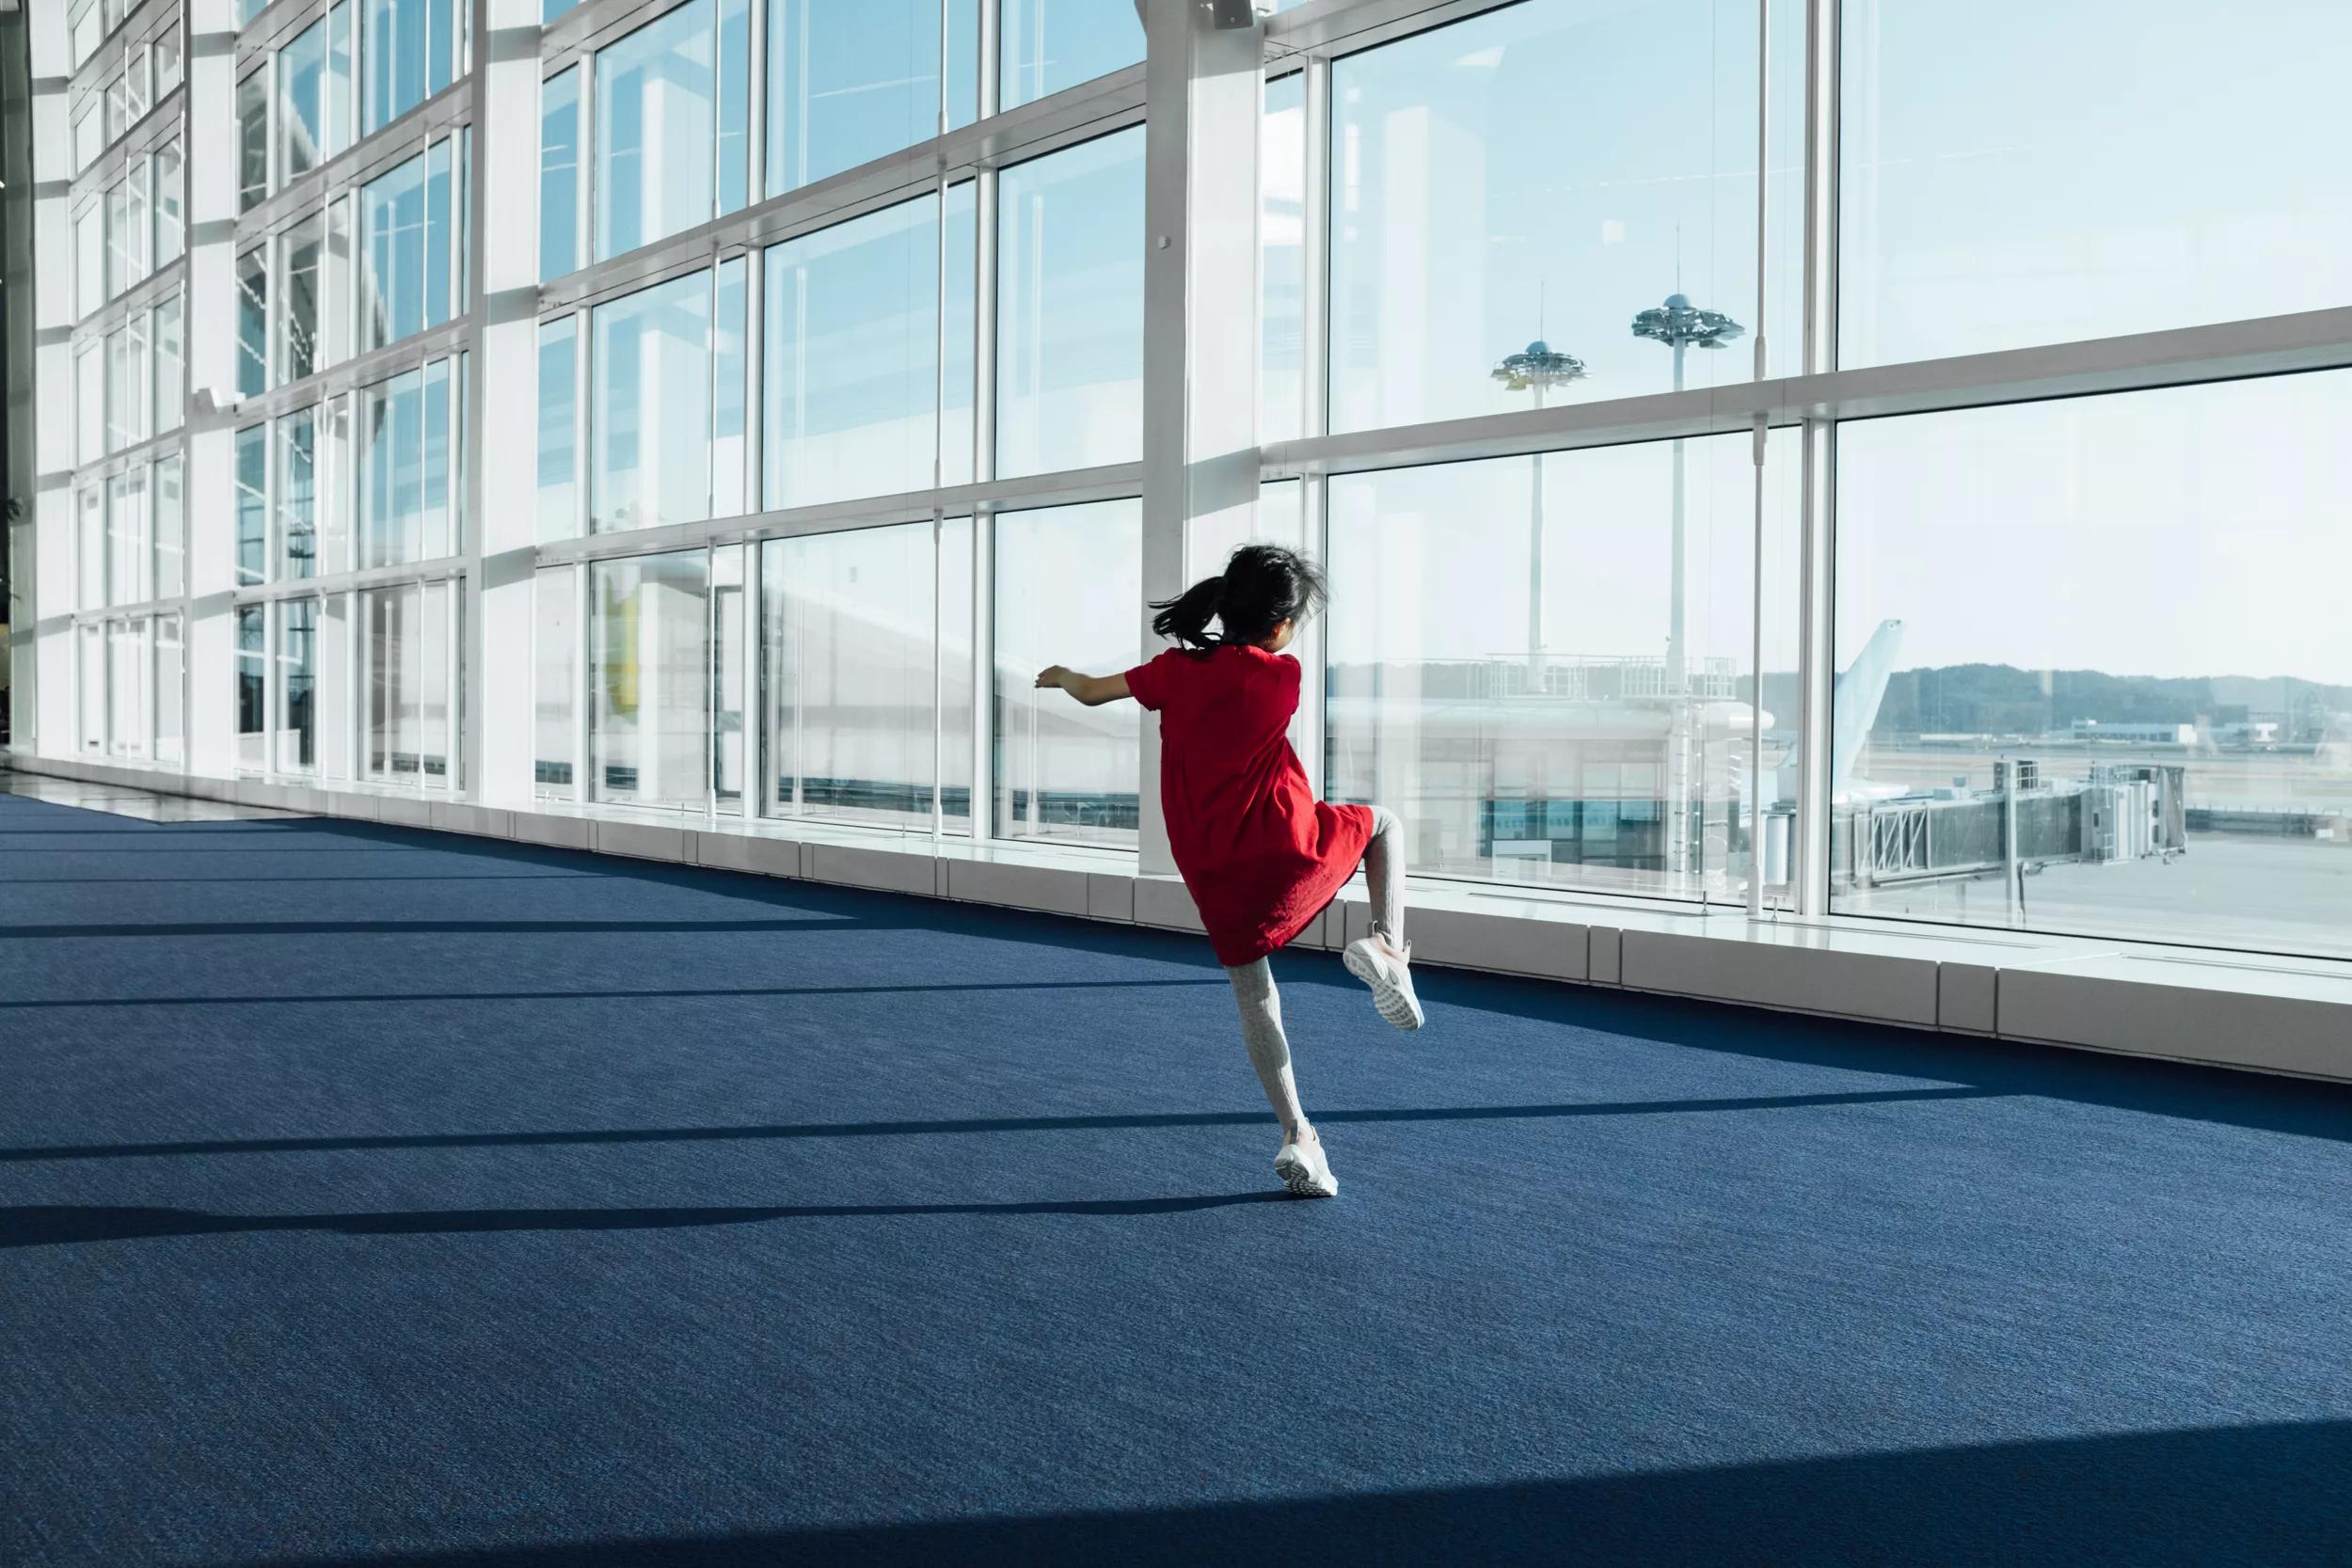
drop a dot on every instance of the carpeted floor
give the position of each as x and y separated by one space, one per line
374 1197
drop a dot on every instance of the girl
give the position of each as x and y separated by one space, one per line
1260 855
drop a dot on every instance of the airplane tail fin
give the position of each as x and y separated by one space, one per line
1854 701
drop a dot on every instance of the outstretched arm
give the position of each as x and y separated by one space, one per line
1094 690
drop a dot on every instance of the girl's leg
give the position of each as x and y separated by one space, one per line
1269 1048
1384 870
1302 1166
1381 959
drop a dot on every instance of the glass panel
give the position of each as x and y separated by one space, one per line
253 322
336 93
170 231
651 423
437 714
90 533
1560 722
855 675
297 494
334 488
334 688
392 497
1070 377
390 619
301 107
433 479
92 675
170 375
848 85
1065 771
649 734
298 252
85 28
392 255
559 174
436 233
117 110
89 135
126 688
960 382
89 257
393 50
120 273
728 629
2166 756
127 542
663 111
128 397
1538 179
90 386
1282 236
559 440
730 385
555 691
134 86
1053 44
335 318
170 59
297 743
2016 174
551 9
252 689
441 45
138 223
170 530
852 323
252 140
253 504
170 662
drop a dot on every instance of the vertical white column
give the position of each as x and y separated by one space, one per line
501 504
1810 857
42 656
211 489
1206 87
984 453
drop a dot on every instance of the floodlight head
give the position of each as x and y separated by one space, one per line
1678 324
1538 365
1238 14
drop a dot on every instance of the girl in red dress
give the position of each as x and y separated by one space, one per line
1260 855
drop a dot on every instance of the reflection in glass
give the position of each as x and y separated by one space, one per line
651 411
170 233
559 442
1282 237
297 494
91 674
301 103
253 504
1070 309
852 327
555 678
171 525
252 688
297 680
393 48
253 322
559 174
1545 171
126 688
406 720
127 544
170 660
2092 671
863 649
649 728
1052 44
170 375
1588 735
1064 771
252 140
670 122
299 251
849 84
392 255
2015 173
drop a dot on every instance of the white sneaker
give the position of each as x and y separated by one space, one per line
1306 1171
1371 961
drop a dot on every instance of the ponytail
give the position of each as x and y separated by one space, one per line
1262 587
1187 617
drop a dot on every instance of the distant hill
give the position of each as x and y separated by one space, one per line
2001 699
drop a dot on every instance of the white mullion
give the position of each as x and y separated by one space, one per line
983 672
1808 867
582 463
1315 213
583 680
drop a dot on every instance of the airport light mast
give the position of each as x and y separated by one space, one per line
1681 325
1538 368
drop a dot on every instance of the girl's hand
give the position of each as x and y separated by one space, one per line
1055 676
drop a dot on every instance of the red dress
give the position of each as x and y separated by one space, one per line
1260 855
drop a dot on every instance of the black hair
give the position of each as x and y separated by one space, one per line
1262 587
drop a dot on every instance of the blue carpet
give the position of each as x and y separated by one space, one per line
376 1196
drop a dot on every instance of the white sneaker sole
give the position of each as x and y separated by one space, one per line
1298 1174
1398 1005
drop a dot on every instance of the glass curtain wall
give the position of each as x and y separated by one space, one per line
868 640
672 124
649 734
